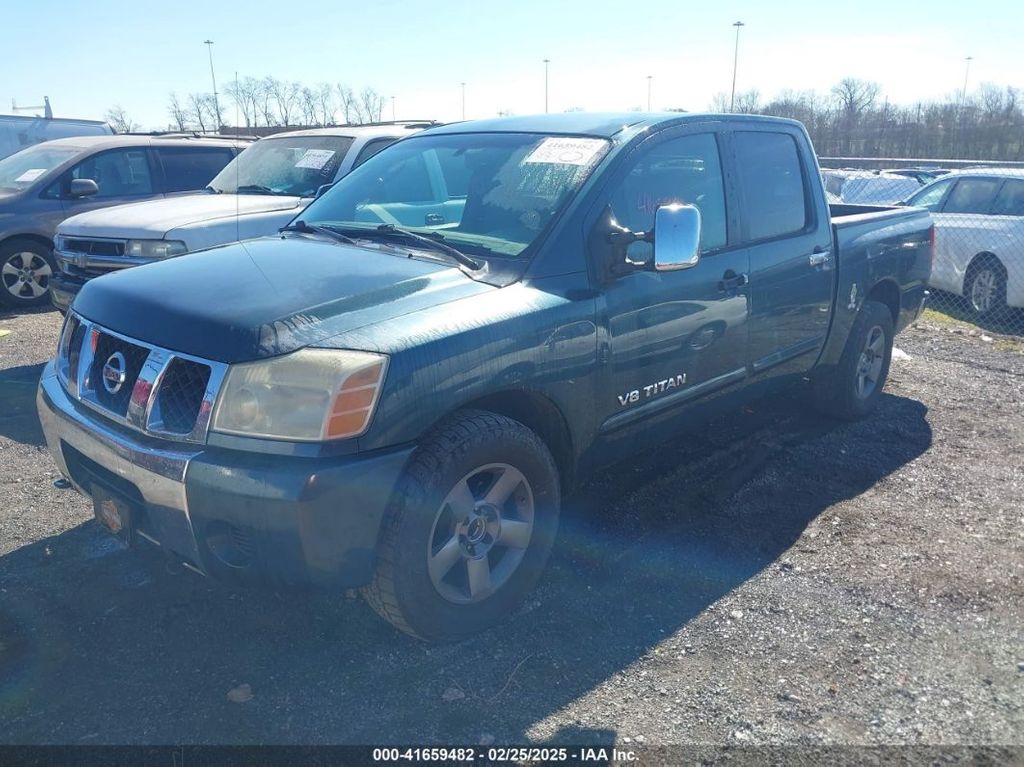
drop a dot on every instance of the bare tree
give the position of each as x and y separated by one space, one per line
119 120
197 111
286 98
371 105
325 104
855 96
245 94
348 103
178 113
308 106
265 100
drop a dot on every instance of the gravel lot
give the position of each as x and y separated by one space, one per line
777 579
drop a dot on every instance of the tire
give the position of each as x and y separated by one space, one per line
25 270
436 541
985 286
852 389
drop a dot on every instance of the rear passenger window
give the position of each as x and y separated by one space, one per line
972 195
773 184
191 168
685 169
1010 201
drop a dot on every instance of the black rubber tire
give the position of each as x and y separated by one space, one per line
8 249
401 591
835 393
978 265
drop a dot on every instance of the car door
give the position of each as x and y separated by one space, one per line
672 337
122 175
789 246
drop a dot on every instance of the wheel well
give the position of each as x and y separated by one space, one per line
540 415
981 258
887 293
38 239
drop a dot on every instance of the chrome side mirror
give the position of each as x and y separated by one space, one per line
676 237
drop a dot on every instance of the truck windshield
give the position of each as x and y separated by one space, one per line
488 194
24 168
296 166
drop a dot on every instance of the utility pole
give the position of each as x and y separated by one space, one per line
393 118
967 71
649 78
735 61
213 77
546 62
463 101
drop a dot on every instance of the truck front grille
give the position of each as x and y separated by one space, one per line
153 390
92 247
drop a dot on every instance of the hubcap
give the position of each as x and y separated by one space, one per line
25 275
984 290
480 533
869 367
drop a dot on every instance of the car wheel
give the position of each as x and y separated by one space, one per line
469 529
852 389
25 271
985 285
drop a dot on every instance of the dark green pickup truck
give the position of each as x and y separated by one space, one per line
397 391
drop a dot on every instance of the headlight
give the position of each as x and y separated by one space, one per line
154 248
310 395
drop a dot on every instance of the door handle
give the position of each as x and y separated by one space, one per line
731 281
819 257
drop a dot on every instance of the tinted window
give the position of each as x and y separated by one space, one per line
371 148
932 196
687 170
119 173
191 168
772 182
407 180
456 172
972 195
1010 200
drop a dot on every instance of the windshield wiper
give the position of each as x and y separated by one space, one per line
212 190
257 188
304 228
434 241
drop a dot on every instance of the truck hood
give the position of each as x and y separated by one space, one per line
154 218
266 297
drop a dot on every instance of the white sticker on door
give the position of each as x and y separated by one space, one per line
566 151
315 158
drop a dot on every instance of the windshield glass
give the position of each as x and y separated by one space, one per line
295 166
24 168
486 193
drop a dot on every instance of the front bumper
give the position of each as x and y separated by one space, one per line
63 289
233 515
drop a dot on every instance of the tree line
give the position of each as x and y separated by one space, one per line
856 120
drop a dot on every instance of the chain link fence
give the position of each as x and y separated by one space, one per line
978 272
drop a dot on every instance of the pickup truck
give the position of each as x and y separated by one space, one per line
255 195
399 389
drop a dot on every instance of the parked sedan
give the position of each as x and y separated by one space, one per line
979 235
42 185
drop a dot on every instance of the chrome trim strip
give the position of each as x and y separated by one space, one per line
784 355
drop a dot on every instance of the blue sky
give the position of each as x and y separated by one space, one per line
87 56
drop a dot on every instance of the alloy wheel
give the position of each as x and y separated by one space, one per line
869 367
26 275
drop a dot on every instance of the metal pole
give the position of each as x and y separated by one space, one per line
546 62
213 77
463 101
967 71
735 61
393 118
649 77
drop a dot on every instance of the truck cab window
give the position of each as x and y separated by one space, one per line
682 170
772 184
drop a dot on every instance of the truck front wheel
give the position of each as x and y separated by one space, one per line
852 389
468 530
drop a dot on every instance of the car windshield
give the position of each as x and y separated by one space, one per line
24 168
297 166
485 193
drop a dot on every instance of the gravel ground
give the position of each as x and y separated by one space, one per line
778 579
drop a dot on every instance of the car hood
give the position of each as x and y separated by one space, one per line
266 297
154 218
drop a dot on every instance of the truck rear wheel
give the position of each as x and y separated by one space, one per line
852 389
468 530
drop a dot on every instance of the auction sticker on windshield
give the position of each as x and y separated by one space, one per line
315 158
566 151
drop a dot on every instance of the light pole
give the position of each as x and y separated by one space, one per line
463 101
213 77
546 62
735 61
649 78
393 109
967 71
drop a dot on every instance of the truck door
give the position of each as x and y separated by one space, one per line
674 337
788 238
